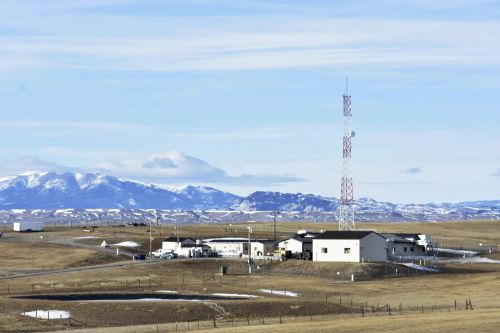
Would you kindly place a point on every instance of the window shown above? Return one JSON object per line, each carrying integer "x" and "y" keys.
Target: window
{"x": 412, "y": 249}
{"x": 405, "y": 249}
{"x": 324, "y": 250}
{"x": 347, "y": 250}
{"x": 393, "y": 250}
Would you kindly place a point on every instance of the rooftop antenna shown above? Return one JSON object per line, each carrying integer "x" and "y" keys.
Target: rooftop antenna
{"x": 346, "y": 210}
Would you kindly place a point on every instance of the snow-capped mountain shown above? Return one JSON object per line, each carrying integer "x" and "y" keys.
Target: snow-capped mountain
{"x": 91, "y": 196}
{"x": 287, "y": 202}
{"x": 91, "y": 190}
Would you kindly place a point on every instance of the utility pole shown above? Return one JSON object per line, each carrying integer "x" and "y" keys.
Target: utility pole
{"x": 346, "y": 212}
{"x": 249, "y": 250}
{"x": 274, "y": 215}
{"x": 150, "y": 241}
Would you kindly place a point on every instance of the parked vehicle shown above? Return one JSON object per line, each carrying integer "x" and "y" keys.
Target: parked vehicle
{"x": 159, "y": 252}
{"x": 169, "y": 255}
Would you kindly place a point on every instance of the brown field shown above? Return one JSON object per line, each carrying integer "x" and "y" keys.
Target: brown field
{"x": 24, "y": 256}
{"x": 324, "y": 298}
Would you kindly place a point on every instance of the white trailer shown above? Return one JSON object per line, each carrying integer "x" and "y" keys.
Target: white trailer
{"x": 28, "y": 226}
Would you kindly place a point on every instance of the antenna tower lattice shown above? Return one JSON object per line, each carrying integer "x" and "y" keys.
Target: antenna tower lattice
{"x": 346, "y": 211}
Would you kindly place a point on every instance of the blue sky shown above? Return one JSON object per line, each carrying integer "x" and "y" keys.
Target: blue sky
{"x": 246, "y": 95}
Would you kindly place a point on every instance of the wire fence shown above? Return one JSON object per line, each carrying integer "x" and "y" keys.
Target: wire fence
{"x": 351, "y": 310}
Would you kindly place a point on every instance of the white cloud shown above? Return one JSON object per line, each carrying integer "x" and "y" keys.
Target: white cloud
{"x": 496, "y": 173}
{"x": 31, "y": 164}
{"x": 173, "y": 167}
{"x": 232, "y": 43}
{"x": 176, "y": 167}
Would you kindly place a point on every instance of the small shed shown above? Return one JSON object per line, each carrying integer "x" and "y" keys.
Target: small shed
{"x": 173, "y": 243}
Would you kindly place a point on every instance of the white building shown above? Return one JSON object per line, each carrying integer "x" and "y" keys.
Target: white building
{"x": 228, "y": 246}
{"x": 407, "y": 245}
{"x": 27, "y": 226}
{"x": 298, "y": 246}
{"x": 350, "y": 246}
{"x": 194, "y": 251}
{"x": 262, "y": 248}
{"x": 173, "y": 243}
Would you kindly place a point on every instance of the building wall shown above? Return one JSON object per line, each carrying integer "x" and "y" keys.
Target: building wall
{"x": 175, "y": 245}
{"x": 373, "y": 248}
{"x": 292, "y": 245}
{"x": 336, "y": 250}
{"x": 262, "y": 249}
{"x": 398, "y": 249}
{"x": 170, "y": 245}
{"x": 229, "y": 248}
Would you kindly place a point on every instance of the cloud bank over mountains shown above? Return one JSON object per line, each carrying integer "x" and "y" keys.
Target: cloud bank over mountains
{"x": 171, "y": 167}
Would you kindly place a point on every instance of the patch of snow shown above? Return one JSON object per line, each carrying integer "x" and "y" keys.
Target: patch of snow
{"x": 479, "y": 260}
{"x": 420, "y": 268}
{"x": 461, "y": 252}
{"x": 84, "y": 237}
{"x": 166, "y": 291}
{"x": 141, "y": 300}
{"x": 280, "y": 292}
{"x": 233, "y": 295}
{"x": 48, "y": 314}
{"x": 128, "y": 244}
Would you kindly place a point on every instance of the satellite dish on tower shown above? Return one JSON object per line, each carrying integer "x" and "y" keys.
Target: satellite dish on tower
{"x": 353, "y": 134}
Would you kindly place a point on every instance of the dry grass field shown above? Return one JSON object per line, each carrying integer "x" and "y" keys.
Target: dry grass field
{"x": 24, "y": 256}
{"x": 323, "y": 297}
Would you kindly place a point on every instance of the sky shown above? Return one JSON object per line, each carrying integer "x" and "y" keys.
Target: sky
{"x": 247, "y": 95}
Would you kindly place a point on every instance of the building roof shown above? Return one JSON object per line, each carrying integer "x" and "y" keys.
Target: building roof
{"x": 412, "y": 236}
{"x": 344, "y": 234}
{"x": 395, "y": 238}
{"x": 174, "y": 239}
{"x": 204, "y": 246}
{"x": 299, "y": 239}
{"x": 226, "y": 240}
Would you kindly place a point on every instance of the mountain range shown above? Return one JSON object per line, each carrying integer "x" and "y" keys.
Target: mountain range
{"x": 49, "y": 194}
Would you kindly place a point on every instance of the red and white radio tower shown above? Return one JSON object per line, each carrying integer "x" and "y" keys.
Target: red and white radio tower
{"x": 346, "y": 211}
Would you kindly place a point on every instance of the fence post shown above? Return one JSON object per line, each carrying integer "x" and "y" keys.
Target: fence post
{"x": 455, "y": 304}
{"x": 470, "y": 304}
{"x": 362, "y": 311}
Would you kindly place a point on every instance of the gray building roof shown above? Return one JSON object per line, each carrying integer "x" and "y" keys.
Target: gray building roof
{"x": 344, "y": 234}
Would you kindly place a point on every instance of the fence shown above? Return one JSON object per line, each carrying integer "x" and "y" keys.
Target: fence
{"x": 354, "y": 310}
